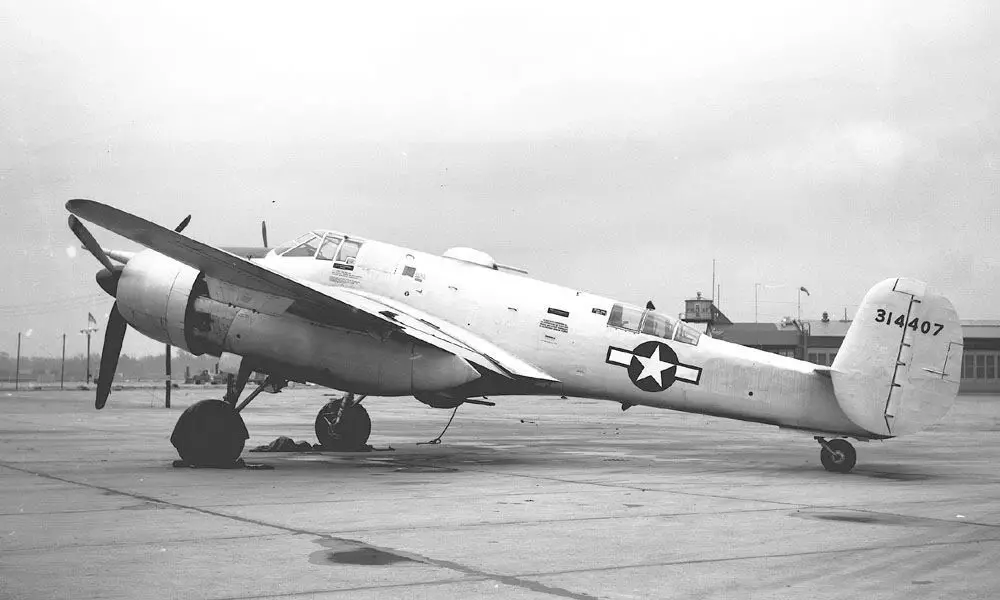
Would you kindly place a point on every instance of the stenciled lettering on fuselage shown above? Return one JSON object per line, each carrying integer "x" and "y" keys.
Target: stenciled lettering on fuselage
{"x": 653, "y": 366}
{"x": 344, "y": 275}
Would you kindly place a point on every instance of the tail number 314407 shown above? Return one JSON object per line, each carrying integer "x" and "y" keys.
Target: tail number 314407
{"x": 916, "y": 324}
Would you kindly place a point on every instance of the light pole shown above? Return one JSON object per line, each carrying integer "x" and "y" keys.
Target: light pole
{"x": 756, "y": 287}
{"x": 87, "y": 332}
{"x": 799, "y": 304}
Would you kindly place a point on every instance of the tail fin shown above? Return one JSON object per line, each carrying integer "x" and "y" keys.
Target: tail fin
{"x": 899, "y": 367}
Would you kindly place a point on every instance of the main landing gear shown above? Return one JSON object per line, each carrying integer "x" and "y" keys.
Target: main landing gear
{"x": 343, "y": 425}
{"x": 211, "y": 433}
{"x": 837, "y": 456}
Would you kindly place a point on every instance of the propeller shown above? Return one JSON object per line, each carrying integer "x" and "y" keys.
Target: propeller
{"x": 263, "y": 232}
{"x": 89, "y": 242}
{"x": 114, "y": 334}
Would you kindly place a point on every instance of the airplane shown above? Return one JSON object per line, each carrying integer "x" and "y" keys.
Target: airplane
{"x": 371, "y": 318}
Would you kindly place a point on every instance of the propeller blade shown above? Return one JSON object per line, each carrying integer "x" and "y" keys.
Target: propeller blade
{"x": 183, "y": 224}
{"x": 263, "y": 232}
{"x": 89, "y": 242}
{"x": 114, "y": 335}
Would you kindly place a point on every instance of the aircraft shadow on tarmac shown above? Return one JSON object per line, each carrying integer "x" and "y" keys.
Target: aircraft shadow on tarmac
{"x": 450, "y": 458}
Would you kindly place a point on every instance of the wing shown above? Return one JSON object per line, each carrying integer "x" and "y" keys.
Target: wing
{"x": 251, "y": 285}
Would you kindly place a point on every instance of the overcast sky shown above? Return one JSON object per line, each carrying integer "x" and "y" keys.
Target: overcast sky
{"x": 614, "y": 147}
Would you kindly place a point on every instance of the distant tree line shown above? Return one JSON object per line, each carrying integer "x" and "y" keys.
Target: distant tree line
{"x": 130, "y": 368}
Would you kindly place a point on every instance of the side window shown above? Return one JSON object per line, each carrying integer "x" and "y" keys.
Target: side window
{"x": 625, "y": 317}
{"x": 687, "y": 334}
{"x": 347, "y": 255}
{"x": 970, "y": 366}
{"x": 980, "y": 366}
{"x": 658, "y": 325}
{"x": 306, "y": 249}
{"x": 329, "y": 248}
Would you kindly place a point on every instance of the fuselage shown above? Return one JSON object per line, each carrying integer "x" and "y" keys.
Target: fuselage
{"x": 595, "y": 346}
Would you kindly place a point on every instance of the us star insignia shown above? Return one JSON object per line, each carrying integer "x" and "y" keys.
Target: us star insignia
{"x": 653, "y": 366}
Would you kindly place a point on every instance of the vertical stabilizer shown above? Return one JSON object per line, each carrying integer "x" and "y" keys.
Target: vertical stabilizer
{"x": 899, "y": 368}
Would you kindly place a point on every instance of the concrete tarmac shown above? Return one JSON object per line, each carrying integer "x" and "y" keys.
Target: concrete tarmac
{"x": 534, "y": 498}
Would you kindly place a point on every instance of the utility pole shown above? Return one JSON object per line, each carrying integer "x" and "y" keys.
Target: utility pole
{"x": 62, "y": 369}
{"x": 87, "y": 333}
{"x": 167, "y": 402}
{"x": 17, "y": 365}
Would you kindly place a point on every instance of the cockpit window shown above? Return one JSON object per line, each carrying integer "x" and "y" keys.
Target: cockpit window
{"x": 305, "y": 249}
{"x": 628, "y": 317}
{"x": 658, "y": 325}
{"x": 287, "y": 245}
{"x": 349, "y": 252}
{"x": 625, "y": 317}
{"x": 687, "y": 334}
{"x": 329, "y": 248}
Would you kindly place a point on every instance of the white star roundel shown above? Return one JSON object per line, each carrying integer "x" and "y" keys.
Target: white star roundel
{"x": 653, "y": 366}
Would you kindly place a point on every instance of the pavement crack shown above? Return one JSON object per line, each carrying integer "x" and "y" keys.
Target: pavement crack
{"x": 509, "y": 580}
{"x": 697, "y": 561}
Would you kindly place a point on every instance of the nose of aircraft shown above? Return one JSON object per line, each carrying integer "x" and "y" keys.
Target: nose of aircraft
{"x": 108, "y": 280}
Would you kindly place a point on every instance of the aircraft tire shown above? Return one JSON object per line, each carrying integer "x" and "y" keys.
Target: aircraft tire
{"x": 351, "y": 432}
{"x": 210, "y": 433}
{"x": 842, "y": 458}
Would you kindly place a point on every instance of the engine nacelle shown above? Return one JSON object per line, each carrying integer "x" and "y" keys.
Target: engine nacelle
{"x": 439, "y": 399}
{"x": 153, "y": 296}
{"x": 169, "y": 302}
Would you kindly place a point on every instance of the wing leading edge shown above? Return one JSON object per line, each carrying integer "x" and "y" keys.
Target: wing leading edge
{"x": 327, "y": 305}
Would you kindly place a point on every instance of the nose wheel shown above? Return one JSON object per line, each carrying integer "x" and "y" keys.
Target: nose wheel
{"x": 343, "y": 425}
{"x": 837, "y": 456}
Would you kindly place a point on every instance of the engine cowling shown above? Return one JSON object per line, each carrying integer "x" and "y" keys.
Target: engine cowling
{"x": 169, "y": 302}
{"x": 153, "y": 295}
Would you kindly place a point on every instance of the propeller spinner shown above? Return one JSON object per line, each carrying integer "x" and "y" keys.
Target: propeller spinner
{"x": 114, "y": 335}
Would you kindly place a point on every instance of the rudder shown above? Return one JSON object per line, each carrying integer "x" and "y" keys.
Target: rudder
{"x": 899, "y": 368}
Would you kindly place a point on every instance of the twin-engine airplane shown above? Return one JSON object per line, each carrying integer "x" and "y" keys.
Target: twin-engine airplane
{"x": 371, "y": 318}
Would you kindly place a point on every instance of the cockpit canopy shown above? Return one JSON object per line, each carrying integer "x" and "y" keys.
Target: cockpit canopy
{"x": 322, "y": 245}
{"x": 650, "y": 322}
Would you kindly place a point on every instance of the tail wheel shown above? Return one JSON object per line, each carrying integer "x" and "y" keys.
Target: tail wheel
{"x": 349, "y": 432}
{"x": 838, "y": 456}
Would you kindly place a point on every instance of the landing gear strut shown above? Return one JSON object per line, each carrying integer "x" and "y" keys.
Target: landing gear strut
{"x": 211, "y": 433}
{"x": 343, "y": 425}
{"x": 837, "y": 456}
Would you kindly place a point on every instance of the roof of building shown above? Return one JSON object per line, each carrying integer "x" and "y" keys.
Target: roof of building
{"x": 787, "y": 333}
{"x": 980, "y": 328}
{"x": 756, "y": 334}
{"x": 829, "y": 328}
